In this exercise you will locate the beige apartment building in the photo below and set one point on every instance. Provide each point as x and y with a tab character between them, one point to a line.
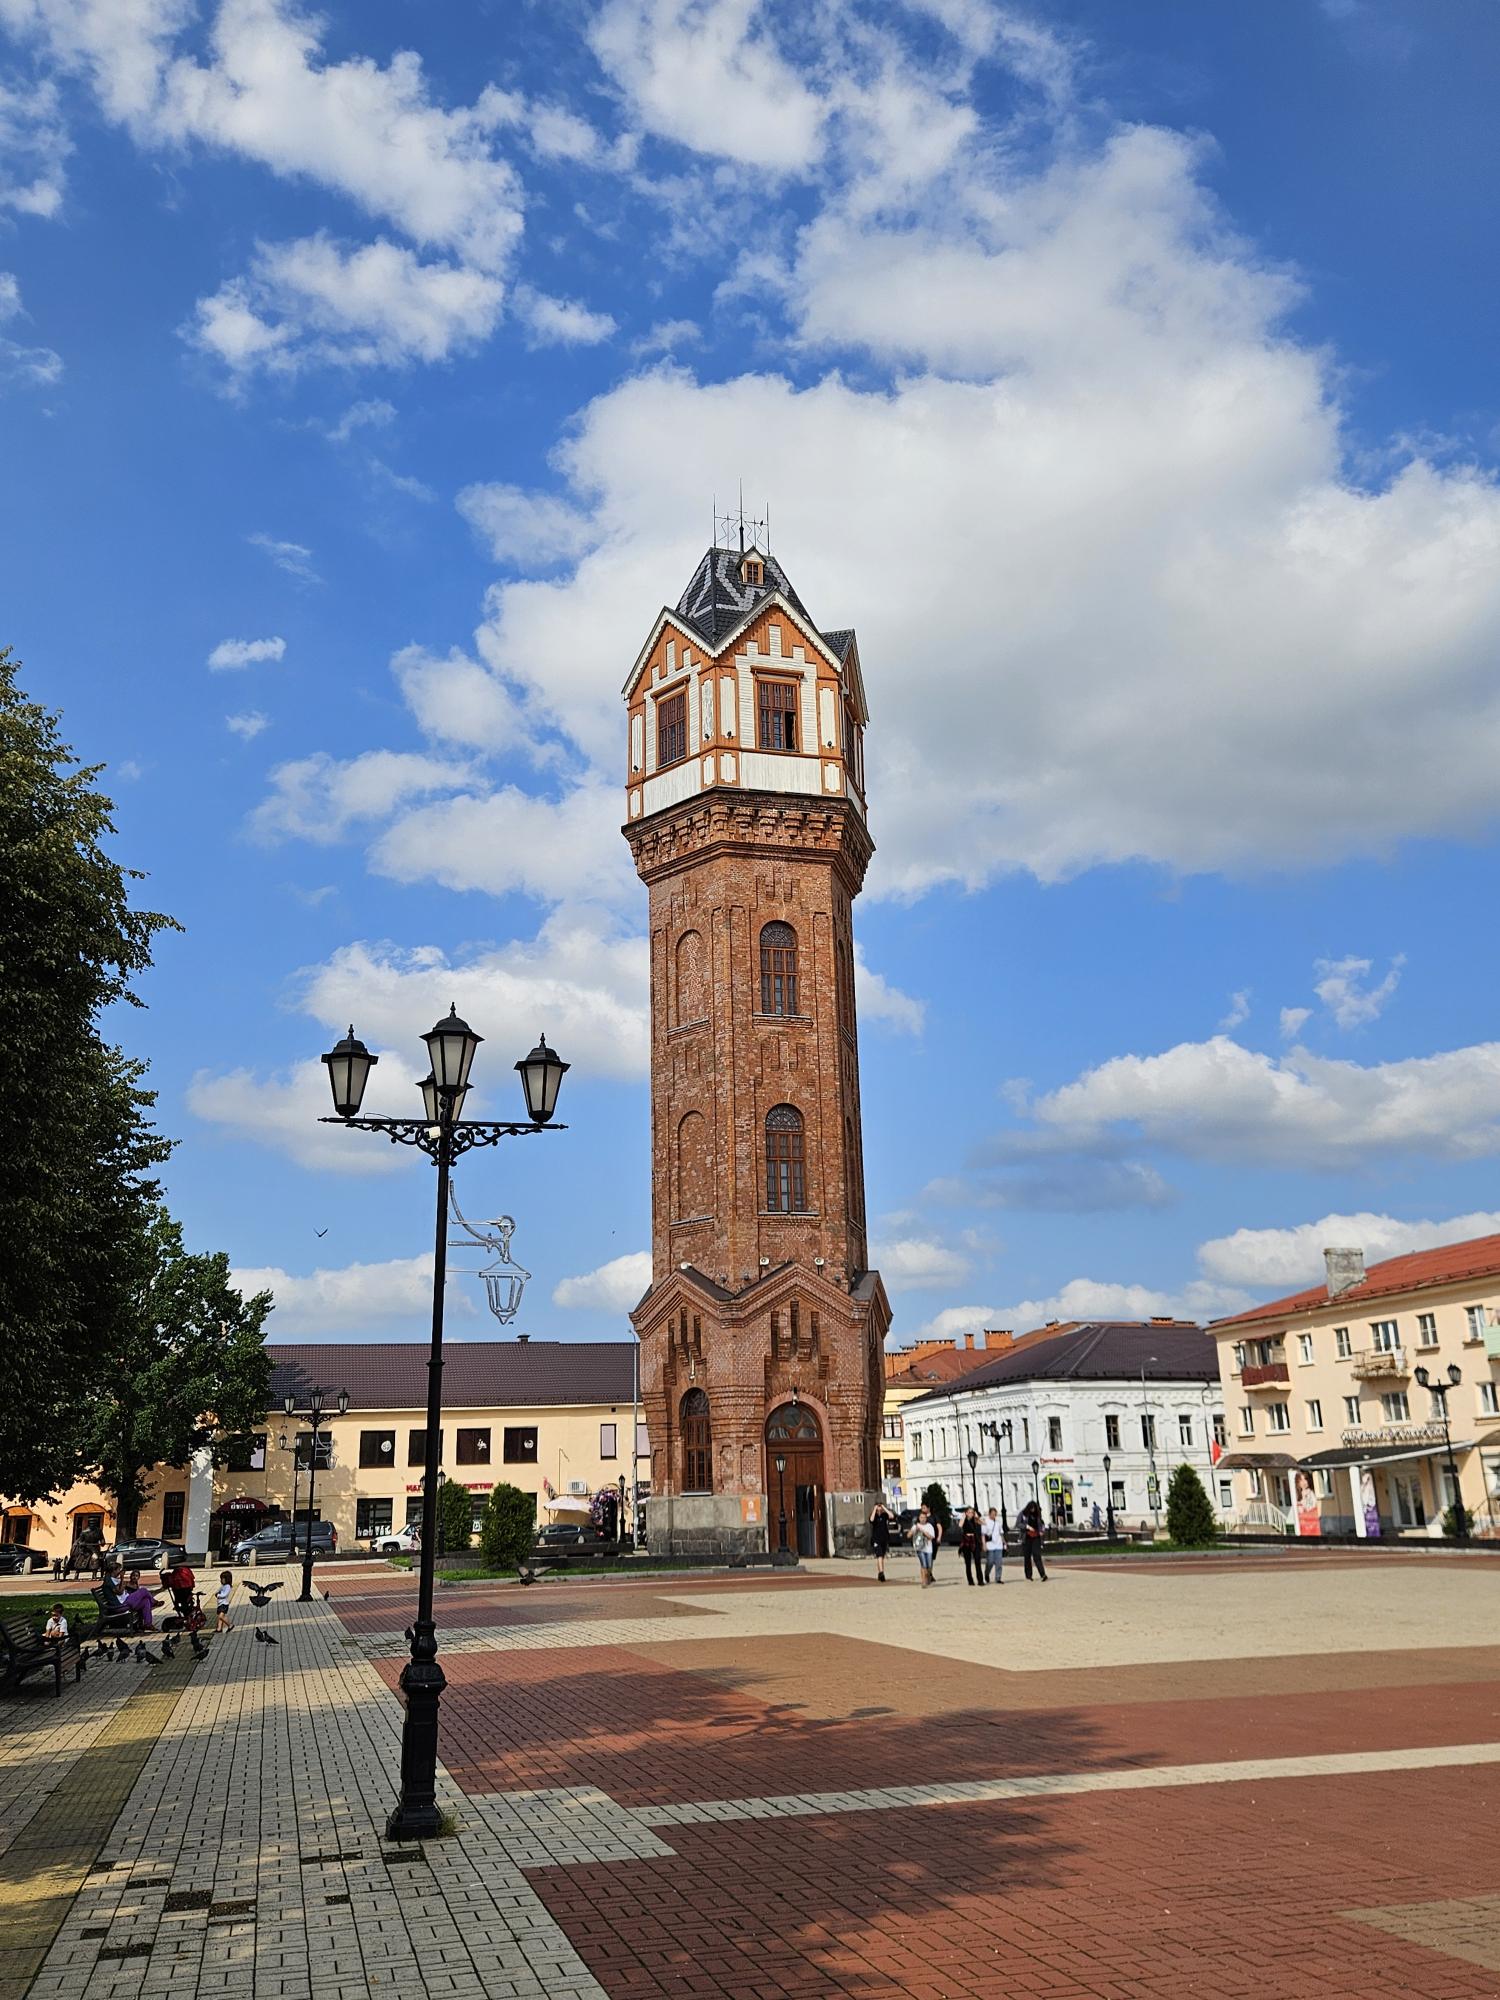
1336	1396
551	1417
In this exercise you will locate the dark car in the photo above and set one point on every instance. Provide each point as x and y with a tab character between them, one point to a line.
279	1542
564	1533
17	1559
148	1552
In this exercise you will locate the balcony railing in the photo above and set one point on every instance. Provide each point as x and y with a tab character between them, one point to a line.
1380	1364
1265	1375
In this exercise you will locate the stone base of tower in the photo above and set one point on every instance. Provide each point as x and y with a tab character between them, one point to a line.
710	1527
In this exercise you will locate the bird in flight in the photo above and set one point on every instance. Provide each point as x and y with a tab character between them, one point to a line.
320	1232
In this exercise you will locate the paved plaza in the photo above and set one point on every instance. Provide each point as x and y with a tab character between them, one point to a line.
1155	1777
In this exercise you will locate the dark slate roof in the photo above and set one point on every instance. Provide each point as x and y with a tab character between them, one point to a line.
715	600
1111	1350
839	642
477	1374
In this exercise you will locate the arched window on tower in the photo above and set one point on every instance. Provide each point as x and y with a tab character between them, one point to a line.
697	1444
778	969
786	1179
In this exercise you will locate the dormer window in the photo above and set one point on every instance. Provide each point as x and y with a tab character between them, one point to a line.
752	570
778	715
671	729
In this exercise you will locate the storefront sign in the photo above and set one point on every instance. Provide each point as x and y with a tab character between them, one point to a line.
1390	1434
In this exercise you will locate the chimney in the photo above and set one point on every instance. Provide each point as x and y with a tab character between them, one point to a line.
969	1341
1345	1268
998	1336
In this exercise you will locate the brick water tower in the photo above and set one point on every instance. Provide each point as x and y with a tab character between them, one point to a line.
762	1336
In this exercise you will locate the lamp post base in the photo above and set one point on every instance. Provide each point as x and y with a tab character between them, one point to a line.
416	1814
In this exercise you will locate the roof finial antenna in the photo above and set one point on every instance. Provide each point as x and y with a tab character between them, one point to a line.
768	527
742	517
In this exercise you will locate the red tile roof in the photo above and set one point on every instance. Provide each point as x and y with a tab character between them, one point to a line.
1418	1269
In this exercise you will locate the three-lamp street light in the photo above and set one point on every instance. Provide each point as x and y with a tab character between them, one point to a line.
443	1136
1442	1391
996	1430
317	1416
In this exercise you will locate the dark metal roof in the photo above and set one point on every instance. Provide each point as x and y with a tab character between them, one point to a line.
840	641
715	600
1380	1454
477	1374
1111	1350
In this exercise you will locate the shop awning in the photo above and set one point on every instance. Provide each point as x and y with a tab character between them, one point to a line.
1380	1454
20	1512
246	1506
1257	1461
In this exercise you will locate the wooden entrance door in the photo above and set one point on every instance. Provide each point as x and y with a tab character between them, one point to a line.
795	1490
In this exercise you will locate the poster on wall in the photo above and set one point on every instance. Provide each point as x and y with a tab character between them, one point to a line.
1309	1515
1368	1504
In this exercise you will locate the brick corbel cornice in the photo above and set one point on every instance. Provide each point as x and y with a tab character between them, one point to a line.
756	825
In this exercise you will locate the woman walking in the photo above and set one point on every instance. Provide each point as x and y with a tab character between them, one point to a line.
1033	1532
971	1545
880	1537
924	1541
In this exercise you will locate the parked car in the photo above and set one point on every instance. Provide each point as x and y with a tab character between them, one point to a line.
405	1541
148	1552
280	1543
18	1559
565	1533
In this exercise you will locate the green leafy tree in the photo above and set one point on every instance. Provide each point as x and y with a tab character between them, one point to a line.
76	1148
935	1500
508	1534
1190	1515
182	1360
455	1517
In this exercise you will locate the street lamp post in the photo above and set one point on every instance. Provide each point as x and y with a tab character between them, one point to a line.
781	1501
317	1416
443	1136
1109	1502
995	1429
1442	1390
1036	1484
1148	1439
974	1476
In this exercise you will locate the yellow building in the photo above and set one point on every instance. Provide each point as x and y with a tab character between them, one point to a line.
913	1371
1361	1405
536	1414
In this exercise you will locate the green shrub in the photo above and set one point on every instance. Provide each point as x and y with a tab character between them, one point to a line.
935	1500
455	1512
1457	1522
508	1532
1190	1514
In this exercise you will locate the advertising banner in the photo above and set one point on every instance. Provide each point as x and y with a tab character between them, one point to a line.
1307	1512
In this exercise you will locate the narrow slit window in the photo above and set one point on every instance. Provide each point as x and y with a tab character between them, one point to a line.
786	1181
778	969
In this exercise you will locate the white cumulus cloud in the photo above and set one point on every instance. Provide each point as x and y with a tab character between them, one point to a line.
351	1298
1344	989
231	653
1285	1259
614	1287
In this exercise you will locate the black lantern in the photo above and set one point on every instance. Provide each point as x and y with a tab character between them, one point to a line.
542	1073
452	1045
349	1065
432	1103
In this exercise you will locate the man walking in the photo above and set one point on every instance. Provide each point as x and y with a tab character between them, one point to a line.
1033	1533
994	1547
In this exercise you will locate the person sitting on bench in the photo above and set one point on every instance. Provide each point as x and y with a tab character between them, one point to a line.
137	1598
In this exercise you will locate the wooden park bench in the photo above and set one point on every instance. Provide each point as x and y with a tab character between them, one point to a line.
560	1555
24	1652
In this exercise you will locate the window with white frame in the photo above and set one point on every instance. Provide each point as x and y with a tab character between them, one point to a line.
1427	1330
1221	1436
1323	1483
1185	1429
1352	1409
1054	1434
1117	1495
1256	1488
1148	1433
1394	1407
1386	1334
1247	1421
914	1444
1226	1496
1474	1320
1314	1415
1278	1416
1025	1433
1304	1350
1489	1401
1341	1344
1112	1432
1434	1407
1239	1356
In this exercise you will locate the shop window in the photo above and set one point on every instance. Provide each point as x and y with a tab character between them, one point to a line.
373	1517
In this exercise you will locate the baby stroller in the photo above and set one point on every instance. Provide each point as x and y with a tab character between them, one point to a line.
187	1611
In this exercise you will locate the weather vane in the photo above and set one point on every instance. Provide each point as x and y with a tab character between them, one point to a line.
504	1280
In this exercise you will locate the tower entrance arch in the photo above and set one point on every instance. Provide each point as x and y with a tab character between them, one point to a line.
794	1479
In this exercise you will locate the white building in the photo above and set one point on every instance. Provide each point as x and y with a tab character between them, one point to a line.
1086	1412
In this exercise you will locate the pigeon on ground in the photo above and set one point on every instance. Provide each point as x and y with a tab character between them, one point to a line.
122	1651
145	1658
260	1637
271	1640
169	1649
200	1651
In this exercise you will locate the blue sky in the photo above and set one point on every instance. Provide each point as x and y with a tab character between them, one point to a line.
1125	375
